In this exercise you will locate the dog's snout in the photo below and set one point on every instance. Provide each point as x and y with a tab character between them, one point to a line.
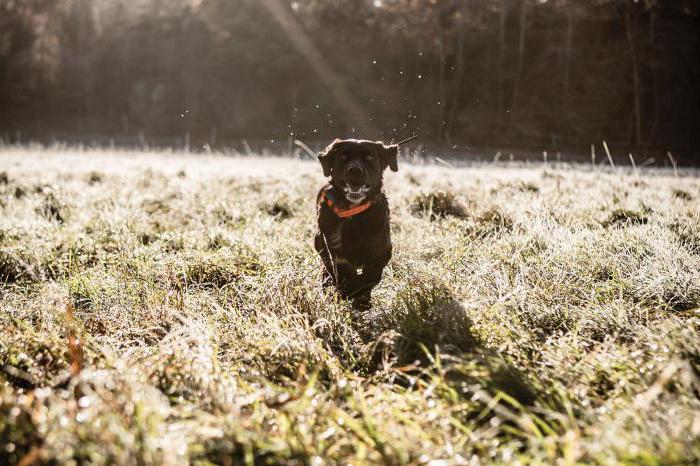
354	171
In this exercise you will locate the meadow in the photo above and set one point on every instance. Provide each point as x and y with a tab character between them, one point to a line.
165	308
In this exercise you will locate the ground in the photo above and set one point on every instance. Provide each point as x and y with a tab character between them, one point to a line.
161	308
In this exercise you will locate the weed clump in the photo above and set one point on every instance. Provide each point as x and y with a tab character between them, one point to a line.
28	360
51	209
683	195
279	210
219	269
522	186
492	221
438	204
625	217
94	178
688	235
15	270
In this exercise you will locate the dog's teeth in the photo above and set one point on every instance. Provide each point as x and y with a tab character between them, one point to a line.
361	191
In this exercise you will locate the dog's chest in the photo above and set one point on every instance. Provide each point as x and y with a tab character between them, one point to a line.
355	240
334	238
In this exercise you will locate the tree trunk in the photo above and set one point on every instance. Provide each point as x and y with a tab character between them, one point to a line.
441	91
519	66
635	81
501	61
654	77
459	83
566	118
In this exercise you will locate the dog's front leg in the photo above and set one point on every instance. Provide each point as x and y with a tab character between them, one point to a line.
366	281
330	272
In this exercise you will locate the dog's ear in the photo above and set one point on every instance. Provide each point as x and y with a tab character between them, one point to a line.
327	157
388	155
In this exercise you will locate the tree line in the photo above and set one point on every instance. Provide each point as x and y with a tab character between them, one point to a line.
553	75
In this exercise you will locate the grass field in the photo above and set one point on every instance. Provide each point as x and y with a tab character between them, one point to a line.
167	309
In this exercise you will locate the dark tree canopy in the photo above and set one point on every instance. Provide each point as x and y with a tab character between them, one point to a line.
532	74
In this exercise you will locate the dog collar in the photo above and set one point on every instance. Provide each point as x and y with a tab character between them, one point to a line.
327	198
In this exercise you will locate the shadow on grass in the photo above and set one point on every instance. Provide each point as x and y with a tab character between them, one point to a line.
432	330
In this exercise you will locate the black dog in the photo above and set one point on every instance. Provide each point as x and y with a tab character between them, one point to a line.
353	236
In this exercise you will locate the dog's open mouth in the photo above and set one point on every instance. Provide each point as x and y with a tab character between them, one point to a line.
356	194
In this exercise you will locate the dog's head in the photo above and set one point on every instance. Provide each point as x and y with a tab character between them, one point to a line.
356	166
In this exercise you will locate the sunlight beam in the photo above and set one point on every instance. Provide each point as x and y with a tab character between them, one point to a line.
356	115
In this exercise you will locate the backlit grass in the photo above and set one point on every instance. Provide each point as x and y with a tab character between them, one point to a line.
163	308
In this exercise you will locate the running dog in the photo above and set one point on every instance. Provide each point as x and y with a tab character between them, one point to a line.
353	237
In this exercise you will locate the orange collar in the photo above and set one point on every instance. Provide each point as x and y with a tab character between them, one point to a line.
327	197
